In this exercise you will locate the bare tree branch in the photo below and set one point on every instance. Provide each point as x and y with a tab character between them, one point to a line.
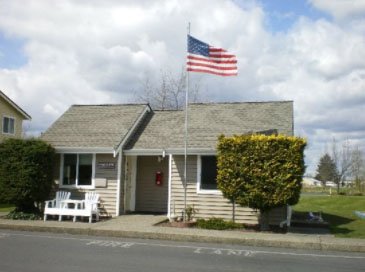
343	161
169	92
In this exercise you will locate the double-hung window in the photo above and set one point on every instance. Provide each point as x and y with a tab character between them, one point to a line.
77	170
207	175
8	125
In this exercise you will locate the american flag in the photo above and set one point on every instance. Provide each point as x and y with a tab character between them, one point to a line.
208	59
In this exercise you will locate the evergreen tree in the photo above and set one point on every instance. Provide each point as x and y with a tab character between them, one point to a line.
326	169
26	173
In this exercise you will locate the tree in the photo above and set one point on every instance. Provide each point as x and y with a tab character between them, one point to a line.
169	92
261	172
357	167
26	173
343	161
326	169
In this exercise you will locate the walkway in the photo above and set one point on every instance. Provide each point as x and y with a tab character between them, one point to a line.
143	226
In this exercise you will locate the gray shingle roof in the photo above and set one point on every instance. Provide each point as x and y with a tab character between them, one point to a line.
101	126
165	129
105	126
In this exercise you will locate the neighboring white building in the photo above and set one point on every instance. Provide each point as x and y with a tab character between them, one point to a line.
311	182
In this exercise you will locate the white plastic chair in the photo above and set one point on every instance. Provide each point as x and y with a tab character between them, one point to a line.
53	207
89	206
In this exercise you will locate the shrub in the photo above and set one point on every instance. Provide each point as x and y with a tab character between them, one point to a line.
190	211
357	194
15	215
342	193
217	224
261	172
26	173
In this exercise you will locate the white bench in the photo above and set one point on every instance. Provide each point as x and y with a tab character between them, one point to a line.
53	207
83	208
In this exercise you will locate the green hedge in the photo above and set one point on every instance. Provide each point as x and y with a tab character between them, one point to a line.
217	224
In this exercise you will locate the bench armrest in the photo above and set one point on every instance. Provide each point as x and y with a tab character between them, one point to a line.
50	203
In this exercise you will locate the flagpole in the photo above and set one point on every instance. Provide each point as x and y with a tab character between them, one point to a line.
186	134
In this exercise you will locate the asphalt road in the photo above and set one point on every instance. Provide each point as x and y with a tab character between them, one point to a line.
27	251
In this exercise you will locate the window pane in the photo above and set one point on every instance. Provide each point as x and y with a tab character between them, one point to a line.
209	173
11	125
5	124
85	169
69	169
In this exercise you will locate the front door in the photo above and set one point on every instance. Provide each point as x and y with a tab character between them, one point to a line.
151	194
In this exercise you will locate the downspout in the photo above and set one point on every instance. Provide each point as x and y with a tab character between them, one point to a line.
119	180
169	192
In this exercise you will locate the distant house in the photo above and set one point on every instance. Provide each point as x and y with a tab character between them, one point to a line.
311	182
11	118
133	156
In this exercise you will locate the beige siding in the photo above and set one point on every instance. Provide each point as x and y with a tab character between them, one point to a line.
108	194
149	196
207	205
7	110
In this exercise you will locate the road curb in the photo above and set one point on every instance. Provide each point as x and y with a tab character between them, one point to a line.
315	243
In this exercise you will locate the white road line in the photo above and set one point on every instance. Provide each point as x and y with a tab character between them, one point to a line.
197	249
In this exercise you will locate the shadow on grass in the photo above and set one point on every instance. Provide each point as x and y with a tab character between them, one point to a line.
336	222
331	221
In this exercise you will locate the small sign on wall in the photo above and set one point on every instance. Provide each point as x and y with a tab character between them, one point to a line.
105	165
100	183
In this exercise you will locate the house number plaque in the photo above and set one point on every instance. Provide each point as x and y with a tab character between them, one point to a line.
106	165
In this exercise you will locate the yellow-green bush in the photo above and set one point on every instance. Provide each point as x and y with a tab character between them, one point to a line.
261	172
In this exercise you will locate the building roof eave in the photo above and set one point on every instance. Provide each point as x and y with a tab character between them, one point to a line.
168	151
14	105
98	150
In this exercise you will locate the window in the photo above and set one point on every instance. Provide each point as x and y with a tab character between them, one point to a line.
207	179
8	125
77	170
85	169
69	169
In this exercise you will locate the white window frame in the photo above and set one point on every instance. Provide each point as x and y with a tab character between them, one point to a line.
198	188
92	186
3	123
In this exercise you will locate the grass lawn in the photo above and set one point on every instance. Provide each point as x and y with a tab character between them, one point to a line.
338	211
6	207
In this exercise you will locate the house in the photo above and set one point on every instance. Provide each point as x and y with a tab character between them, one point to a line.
133	156
11	118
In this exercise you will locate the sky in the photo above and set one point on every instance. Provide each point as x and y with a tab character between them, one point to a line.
54	54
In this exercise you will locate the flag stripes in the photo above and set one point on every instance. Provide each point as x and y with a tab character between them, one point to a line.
208	59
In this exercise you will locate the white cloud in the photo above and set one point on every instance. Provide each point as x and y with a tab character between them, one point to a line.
341	9
100	52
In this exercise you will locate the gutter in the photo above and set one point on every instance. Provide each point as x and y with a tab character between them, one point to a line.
96	150
168	151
